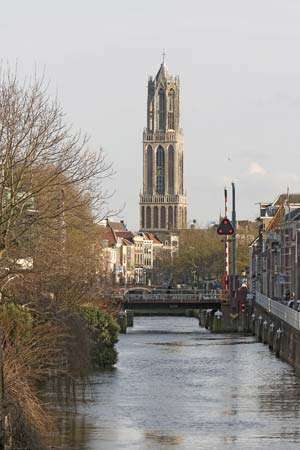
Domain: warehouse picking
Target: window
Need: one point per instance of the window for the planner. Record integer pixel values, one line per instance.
(149, 170)
(181, 174)
(143, 216)
(155, 218)
(171, 157)
(160, 170)
(161, 109)
(151, 121)
(170, 218)
(148, 217)
(171, 110)
(163, 217)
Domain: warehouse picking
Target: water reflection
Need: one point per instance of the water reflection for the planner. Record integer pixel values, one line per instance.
(178, 387)
(163, 439)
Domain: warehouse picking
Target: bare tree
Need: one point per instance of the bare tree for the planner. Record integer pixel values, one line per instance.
(51, 196)
(46, 170)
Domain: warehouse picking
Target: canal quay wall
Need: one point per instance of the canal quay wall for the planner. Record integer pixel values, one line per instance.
(273, 324)
(277, 326)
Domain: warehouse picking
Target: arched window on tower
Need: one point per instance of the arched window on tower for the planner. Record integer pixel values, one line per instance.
(162, 109)
(180, 218)
(151, 117)
(160, 170)
(171, 110)
(163, 217)
(155, 217)
(143, 216)
(148, 217)
(170, 218)
(171, 169)
(149, 170)
(181, 174)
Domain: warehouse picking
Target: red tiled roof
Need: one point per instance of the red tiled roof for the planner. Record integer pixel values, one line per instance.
(117, 226)
(124, 234)
(126, 242)
(152, 237)
(107, 234)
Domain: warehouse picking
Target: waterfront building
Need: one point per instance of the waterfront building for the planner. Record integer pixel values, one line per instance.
(274, 254)
(126, 257)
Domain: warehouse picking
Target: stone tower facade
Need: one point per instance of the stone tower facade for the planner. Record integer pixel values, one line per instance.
(163, 206)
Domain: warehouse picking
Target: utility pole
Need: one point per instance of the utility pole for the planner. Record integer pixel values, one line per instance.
(234, 253)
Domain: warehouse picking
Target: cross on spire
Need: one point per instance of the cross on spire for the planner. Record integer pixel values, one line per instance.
(164, 55)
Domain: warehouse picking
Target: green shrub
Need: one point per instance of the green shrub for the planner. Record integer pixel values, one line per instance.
(104, 334)
(16, 320)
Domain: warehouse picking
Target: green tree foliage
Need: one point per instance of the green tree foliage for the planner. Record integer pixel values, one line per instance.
(104, 334)
(201, 255)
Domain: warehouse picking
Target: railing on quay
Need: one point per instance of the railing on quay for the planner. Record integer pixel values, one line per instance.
(279, 310)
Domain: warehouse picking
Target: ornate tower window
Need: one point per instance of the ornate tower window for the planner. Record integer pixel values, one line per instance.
(151, 117)
(143, 216)
(155, 217)
(171, 110)
(171, 169)
(160, 170)
(161, 109)
(149, 170)
(170, 217)
(181, 174)
(175, 217)
(148, 217)
(163, 217)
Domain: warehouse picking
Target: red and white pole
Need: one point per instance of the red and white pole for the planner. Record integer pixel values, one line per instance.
(226, 248)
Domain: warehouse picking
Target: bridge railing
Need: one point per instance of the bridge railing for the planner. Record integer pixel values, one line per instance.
(173, 297)
(279, 310)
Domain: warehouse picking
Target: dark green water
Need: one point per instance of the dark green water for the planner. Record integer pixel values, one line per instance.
(178, 387)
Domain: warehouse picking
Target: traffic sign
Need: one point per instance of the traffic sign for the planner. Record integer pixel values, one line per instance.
(225, 228)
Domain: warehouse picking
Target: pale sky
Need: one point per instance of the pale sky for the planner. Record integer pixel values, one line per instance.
(239, 65)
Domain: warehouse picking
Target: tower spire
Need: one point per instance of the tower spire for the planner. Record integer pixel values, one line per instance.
(164, 56)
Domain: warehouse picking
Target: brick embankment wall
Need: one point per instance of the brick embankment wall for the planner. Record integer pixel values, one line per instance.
(227, 322)
(281, 338)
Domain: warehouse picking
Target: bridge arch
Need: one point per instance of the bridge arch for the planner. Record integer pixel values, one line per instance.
(137, 290)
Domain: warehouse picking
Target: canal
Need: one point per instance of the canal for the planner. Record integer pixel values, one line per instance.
(178, 387)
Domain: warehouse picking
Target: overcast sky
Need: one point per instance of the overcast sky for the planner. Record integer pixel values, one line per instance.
(239, 65)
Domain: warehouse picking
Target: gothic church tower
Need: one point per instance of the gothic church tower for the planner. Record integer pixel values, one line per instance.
(163, 206)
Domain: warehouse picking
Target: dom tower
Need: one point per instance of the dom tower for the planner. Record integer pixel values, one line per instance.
(163, 206)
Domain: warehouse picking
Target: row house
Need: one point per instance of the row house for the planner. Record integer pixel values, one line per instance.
(274, 254)
(126, 257)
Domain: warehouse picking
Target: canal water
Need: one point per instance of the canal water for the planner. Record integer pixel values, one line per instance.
(178, 387)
